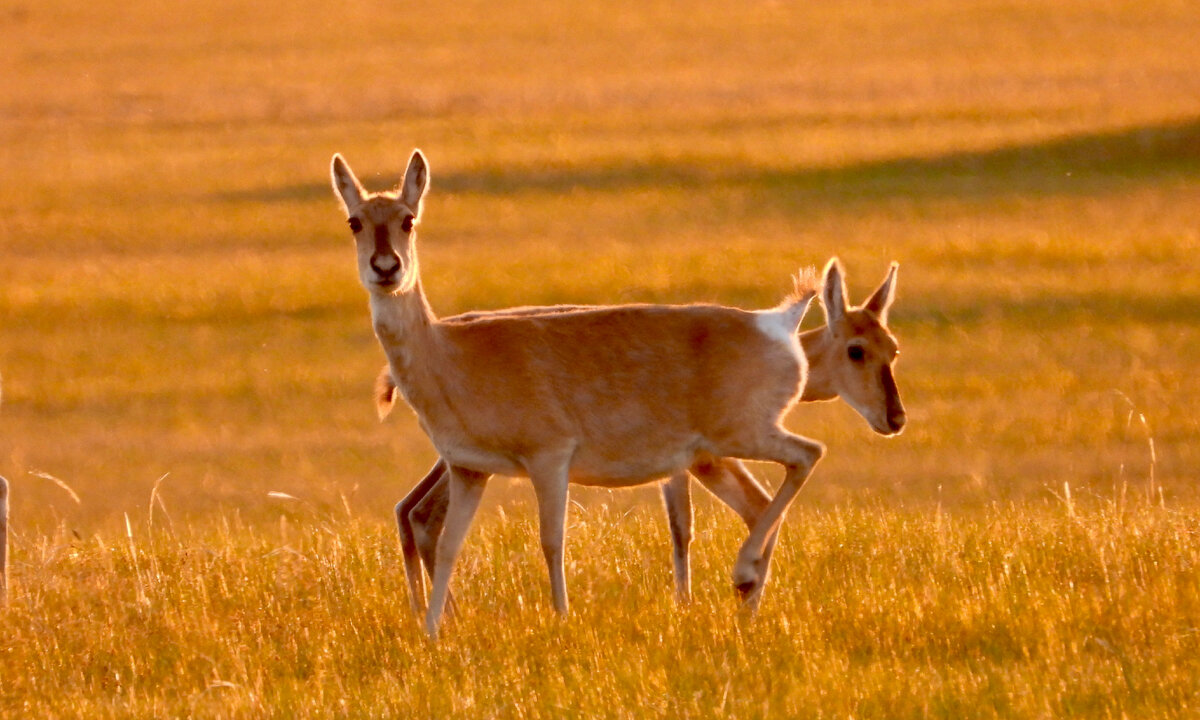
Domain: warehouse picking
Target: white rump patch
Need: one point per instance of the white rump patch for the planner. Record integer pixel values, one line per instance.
(780, 325)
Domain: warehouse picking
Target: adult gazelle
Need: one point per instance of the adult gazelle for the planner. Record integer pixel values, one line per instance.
(612, 396)
(852, 356)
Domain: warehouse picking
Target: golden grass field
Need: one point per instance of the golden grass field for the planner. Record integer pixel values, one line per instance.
(179, 305)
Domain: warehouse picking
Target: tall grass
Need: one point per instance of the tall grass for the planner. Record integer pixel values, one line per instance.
(1054, 610)
(177, 293)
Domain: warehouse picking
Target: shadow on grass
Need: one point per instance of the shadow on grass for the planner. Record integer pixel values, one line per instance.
(1076, 164)
(1047, 311)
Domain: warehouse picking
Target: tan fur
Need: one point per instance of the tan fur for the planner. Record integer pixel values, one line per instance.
(867, 384)
(831, 374)
(612, 396)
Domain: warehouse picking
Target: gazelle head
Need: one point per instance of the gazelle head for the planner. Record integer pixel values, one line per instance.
(861, 352)
(384, 225)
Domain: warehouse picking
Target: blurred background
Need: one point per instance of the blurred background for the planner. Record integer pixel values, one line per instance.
(179, 300)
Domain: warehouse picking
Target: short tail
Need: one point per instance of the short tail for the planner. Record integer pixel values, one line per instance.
(385, 392)
(806, 283)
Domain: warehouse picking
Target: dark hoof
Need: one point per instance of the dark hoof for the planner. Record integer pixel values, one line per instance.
(746, 589)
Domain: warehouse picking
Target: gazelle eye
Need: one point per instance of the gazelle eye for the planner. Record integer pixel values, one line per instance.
(355, 224)
(855, 352)
(406, 226)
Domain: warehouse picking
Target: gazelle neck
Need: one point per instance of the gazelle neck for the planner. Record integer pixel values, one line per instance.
(403, 323)
(819, 347)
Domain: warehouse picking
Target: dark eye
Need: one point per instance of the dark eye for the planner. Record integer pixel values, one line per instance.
(355, 224)
(855, 352)
(406, 226)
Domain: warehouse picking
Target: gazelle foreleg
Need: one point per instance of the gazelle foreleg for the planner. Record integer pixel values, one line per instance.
(466, 489)
(430, 514)
(677, 496)
(426, 519)
(734, 485)
(799, 456)
(409, 547)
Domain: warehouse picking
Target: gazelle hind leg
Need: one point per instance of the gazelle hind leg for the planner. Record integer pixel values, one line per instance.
(466, 489)
(550, 486)
(408, 542)
(799, 456)
(426, 519)
(677, 495)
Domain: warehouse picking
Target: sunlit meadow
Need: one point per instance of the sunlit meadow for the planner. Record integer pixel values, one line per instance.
(201, 512)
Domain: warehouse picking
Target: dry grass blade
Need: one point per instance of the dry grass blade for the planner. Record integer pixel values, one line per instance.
(61, 483)
(156, 498)
(887, 607)
(133, 557)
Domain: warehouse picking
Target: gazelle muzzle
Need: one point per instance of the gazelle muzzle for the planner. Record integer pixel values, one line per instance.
(896, 416)
(384, 261)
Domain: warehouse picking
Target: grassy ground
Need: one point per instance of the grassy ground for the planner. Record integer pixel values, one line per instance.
(1059, 611)
(178, 297)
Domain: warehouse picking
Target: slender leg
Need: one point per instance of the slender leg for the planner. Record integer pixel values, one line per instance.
(408, 543)
(466, 489)
(737, 487)
(677, 494)
(734, 485)
(426, 518)
(550, 486)
(799, 456)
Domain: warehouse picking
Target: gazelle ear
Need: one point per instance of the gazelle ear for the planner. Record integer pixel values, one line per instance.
(416, 180)
(882, 298)
(345, 185)
(833, 293)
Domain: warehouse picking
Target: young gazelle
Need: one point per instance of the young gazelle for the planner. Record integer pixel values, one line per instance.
(852, 357)
(614, 396)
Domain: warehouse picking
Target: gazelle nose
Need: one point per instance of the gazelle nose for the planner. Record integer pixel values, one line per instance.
(896, 421)
(386, 266)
